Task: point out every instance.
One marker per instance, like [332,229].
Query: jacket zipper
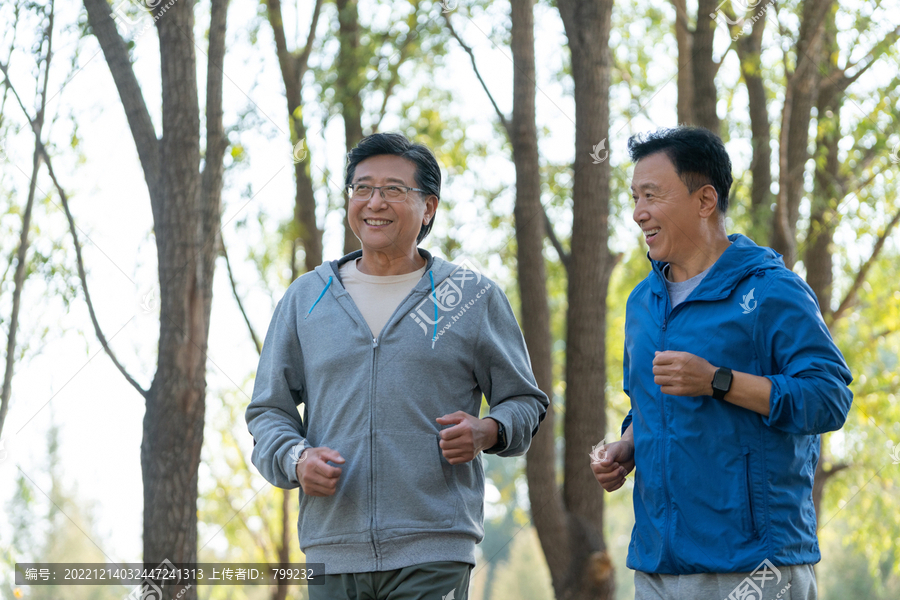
[668,532]
[372,521]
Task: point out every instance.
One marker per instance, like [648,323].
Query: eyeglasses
[362,192]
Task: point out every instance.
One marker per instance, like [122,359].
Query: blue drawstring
[433,299]
[327,285]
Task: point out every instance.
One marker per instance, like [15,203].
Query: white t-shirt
[377,297]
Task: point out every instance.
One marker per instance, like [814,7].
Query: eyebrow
[647,186]
[389,179]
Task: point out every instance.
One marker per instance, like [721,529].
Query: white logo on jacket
[745,304]
[447,296]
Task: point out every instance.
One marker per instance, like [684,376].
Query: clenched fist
[316,476]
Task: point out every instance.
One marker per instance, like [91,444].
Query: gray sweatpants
[795,583]
[427,581]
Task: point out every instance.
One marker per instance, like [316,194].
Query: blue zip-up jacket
[718,488]
[451,342]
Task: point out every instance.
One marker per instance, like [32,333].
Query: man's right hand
[316,476]
[618,463]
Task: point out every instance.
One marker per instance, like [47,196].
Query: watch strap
[502,441]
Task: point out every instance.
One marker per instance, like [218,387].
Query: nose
[639,213]
[377,200]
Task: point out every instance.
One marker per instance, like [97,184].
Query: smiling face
[385,227]
[668,214]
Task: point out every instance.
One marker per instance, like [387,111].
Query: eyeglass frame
[349,189]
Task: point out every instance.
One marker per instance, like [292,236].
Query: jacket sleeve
[503,372]
[279,434]
[809,376]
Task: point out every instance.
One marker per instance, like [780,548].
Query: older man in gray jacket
[390,351]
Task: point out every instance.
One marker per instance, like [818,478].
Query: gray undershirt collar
[680,290]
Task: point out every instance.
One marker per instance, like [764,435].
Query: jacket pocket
[748,486]
[411,489]
[332,518]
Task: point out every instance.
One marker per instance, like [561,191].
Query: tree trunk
[293,67]
[827,186]
[800,96]
[705,68]
[173,423]
[186,212]
[827,194]
[685,39]
[587,26]
[749,52]
[350,81]
[284,549]
[546,506]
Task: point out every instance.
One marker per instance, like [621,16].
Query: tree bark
[547,510]
[293,67]
[186,211]
[350,81]
[685,39]
[800,96]
[587,26]
[704,68]
[284,548]
[828,189]
[749,50]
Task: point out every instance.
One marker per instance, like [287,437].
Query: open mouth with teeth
[650,234]
[377,222]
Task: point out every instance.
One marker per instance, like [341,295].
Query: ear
[709,201]
[431,203]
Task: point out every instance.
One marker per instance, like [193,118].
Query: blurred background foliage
[411,76]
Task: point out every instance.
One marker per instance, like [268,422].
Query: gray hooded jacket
[398,501]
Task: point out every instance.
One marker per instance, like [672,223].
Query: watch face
[721,380]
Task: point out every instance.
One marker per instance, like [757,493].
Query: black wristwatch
[501,437]
[721,382]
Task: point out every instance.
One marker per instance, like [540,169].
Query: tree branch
[850,296]
[116,54]
[394,71]
[503,120]
[563,255]
[238,298]
[83,278]
[285,59]
[303,59]
[216,141]
[65,202]
[22,250]
[870,58]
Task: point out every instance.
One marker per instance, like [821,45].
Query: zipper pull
[374,343]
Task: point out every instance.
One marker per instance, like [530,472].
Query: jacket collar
[741,259]
[333,268]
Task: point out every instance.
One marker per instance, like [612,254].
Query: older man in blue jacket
[732,376]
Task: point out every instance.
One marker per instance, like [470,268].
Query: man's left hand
[468,436]
[683,374]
